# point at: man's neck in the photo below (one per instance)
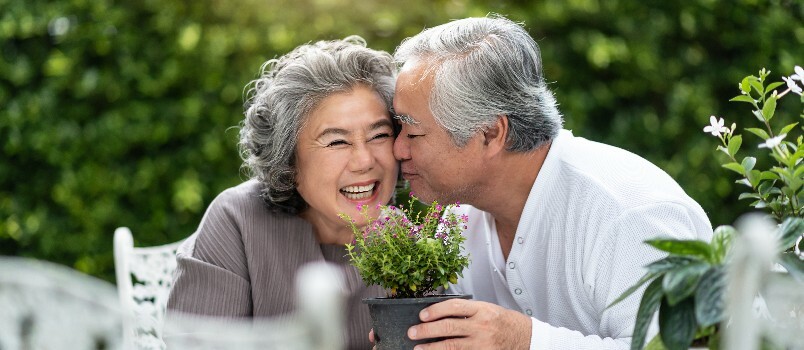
(507, 190)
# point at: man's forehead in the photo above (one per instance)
(415, 74)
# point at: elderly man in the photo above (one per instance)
(557, 222)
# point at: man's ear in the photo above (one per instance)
(495, 137)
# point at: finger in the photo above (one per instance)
(449, 308)
(448, 327)
(371, 335)
(447, 344)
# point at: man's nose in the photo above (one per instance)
(402, 147)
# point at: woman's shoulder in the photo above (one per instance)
(247, 192)
(244, 208)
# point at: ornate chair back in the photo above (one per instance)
(49, 306)
(144, 277)
(315, 325)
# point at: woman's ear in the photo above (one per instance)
(495, 136)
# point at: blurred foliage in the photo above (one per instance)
(124, 113)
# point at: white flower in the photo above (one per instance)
(799, 73)
(792, 85)
(773, 141)
(715, 126)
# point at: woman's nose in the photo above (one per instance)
(362, 159)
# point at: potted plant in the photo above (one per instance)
(687, 286)
(410, 253)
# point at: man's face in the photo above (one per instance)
(436, 168)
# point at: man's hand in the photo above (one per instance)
(477, 324)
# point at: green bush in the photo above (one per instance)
(121, 113)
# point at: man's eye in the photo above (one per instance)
(337, 143)
(413, 136)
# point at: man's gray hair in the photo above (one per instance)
(484, 68)
(288, 90)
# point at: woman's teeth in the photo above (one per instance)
(358, 192)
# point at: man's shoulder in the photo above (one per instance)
(600, 158)
(595, 176)
(616, 169)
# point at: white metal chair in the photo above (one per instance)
(315, 325)
(49, 306)
(760, 303)
(144, 277)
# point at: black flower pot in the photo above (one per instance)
(391, 319)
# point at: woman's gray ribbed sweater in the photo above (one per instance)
(242, 260)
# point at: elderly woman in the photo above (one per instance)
(317, 138)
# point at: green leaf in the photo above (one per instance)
(737, 168)
(709, 302)
(647, 307)
(745, 85)
(753, 177)
(784, 173)
(680, 283)
(748, 163)
(689, 247)
(677, 324)
(756, 85)
(721, 242)
(786, 129)
(734, 144)
(759, 132)
(743, 98)
(769, 175)
(745, 195)
(758, 114)
(769, 109)
(799, 172)
(789, 232)
(794, 266)
(669, 263)
(772, 86)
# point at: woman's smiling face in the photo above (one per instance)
(344, 159)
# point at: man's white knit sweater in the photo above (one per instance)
(579, 244)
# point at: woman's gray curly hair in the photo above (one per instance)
(288, 90)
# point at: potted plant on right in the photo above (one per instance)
(411, 253)
(687, 287)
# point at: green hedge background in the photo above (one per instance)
(124, 113)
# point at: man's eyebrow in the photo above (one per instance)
(406, 119)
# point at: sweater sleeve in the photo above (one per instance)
(212, 277)
(614, 264)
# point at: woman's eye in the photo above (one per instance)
(337, 143)
(381, 136)
(412, 136)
